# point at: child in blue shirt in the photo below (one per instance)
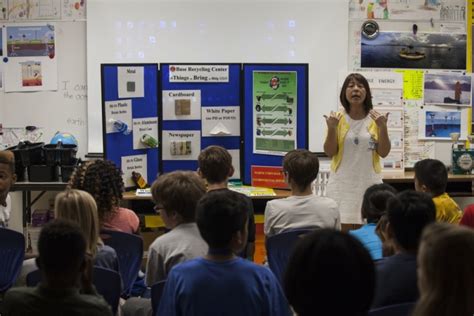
(222, 283)
(373, 207)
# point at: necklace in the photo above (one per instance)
(356, 129)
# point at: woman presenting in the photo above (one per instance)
(356, 139)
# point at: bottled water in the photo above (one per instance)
(120, 126)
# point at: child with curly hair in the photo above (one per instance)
(103, 180)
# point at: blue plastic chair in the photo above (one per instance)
(12, 253)
(279, 248)
(156, 292)
(107, 283)
(129, 249)
(403, 309)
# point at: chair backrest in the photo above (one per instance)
(279, 248)
(107, 283)
(129, 249)
(12, 253)
(156, 292)
(403, 309)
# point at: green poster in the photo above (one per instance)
(274, 112)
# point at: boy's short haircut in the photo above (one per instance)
(215, 164)
(302, 167)
(220, 214)
(409, 212)
(179, 191)
(320, 262)
(374, 203)
(61, 247)
(7, 157)
(433, 174)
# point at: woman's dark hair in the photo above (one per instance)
(316, 278)
(368, 96)
(103, 180)
(375, 199)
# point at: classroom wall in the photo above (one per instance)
(313, 32)
(62, 110)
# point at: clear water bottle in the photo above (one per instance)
(120, 126)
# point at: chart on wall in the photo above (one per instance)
(130, 120)
(201, 107)
(276, 119)
(30, 57)
(275, 112)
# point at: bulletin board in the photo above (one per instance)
(273, 128)
(130, 96)
(201, 107)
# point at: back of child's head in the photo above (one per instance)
(317, 274)
(220, 214)
(301, 166)
(179, 191)
(375, 199)
(433, 174)
(8, 158)
(409, 212)
(61, 248)
(446, 274)
(215, 164)
(79, 207)
(103, 180)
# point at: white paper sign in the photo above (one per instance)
(393, 162)
(181, 104)
(220, 121)
(396, 139)
(181, 145)
(395, 118)
(136, 163)
(130, 82)
(117, 110)
(387, 97)
(199, 73)
(142, 129)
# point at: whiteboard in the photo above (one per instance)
(62, 110)
(259, 31)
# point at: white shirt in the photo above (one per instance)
(309, 211)
(5, 212)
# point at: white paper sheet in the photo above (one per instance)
(181, 104)
(181, 145)
(220, 121)
(118, 110)
(137, 163)
(144, 127)
(130, 82)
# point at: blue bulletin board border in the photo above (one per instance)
(117, 145)
(212, 94)
(249, 158)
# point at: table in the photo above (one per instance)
(27, 187)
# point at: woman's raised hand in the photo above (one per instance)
(380, 119)
(333, 119)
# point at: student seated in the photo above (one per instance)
(176, 195)
(221, 283)
(409, 212)
(373, 207)
(215, 166)
(65, 268)
(79, 207)
(329, 273)
(7, 179)
(302, 209)
(445, 273)
(431, 177)
(103, 180)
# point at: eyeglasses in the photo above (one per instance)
(158, 208)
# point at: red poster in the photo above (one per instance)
(269, 177)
